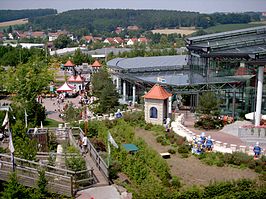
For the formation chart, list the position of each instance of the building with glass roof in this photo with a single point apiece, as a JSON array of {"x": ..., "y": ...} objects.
[{"x": 227, "y": 63}]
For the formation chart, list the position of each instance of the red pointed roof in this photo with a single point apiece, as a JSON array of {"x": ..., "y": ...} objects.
[
  {"x": 69, "y": 64},
  {"x": 96, "y": 64},
  {"x": 77, "y": 78},
  {"x": 157, "y": 92}
]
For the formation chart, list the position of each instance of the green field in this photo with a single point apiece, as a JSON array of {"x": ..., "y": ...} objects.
[
  {"x": 229, "y": 27},
  {"x": 51, "y": 123}
]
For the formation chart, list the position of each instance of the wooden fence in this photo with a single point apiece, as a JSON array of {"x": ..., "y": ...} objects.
[
  {"x": 100, "y": 163},
  {"x": 61, "y": 181}
]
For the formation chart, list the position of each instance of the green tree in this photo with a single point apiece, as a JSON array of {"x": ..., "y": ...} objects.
[
  {"x": 104, "y": 89},
  {"x": 14, "y": 190},
  {"x": 42, "y": 184},
  {"x": 208, "y": 104},
  {"x": 62, "y": 41},
  {"x": 27, "y": 81}
]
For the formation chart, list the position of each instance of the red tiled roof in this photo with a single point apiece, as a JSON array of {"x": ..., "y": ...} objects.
[
  {"x": 157, "y": 92},
  {"x": 37, "y": 34},
  {"x": 96, "y": 64},
  {"x": 69, "y": 64},
  {"x": 88, "y": 38},
  {"x": 118, "y": 39},
  {"x": 77, "y": 78}
]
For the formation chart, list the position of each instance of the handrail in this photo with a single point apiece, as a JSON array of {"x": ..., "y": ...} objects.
[{"x": 97, "y": 158}]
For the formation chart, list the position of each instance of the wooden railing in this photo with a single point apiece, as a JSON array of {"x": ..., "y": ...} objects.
[
  {"x": 100, "y": 163},
  {"x": 60, "y": 181}
]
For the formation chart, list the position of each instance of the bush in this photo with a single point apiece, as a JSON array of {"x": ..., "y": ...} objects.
[
  {"x": 114, "y": 169},
  {"x": 175, "y": 182},
  {"x": 172, "y": 151},
  {"x": 239, "y": 158},
  {"x": 162, "y": 140},
  {"x": 184, "y": 148}
]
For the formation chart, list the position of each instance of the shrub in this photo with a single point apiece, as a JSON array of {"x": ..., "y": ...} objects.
[
  {"x": 162, "y": 140},
  {"x": 175, "y": 182},
  {"x": 184, "y": 148},
  {"x": 148, "y": 126},
  {"x": 172, "y": 151},
  {"x": 258, "y": 169},
  {"x": 251, "y": 164},
  {"x": 114, "y": 169},
  {"x": 239, "y": 158}
]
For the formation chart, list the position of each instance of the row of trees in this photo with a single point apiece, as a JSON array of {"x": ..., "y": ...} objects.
[
  {"x": 8, "y": 15},
  {"x": 10, "y": 56},
  {"x": 100, "y": 20}
]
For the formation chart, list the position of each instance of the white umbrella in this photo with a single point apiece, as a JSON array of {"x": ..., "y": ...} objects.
[
  {"x": 41, "y": 125},
  {"x": 251, "y": 116}
]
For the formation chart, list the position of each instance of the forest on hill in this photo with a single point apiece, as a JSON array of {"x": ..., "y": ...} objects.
[
  {"x": 106, "y": 20},
  {"x": 8, "y": 15}
]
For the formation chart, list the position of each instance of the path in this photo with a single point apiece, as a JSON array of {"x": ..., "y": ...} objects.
[
  {"x": 52, "y": 107},
  {"x": 191, "y": 170}
]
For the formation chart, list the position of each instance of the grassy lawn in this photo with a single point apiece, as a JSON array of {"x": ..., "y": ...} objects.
[
  {"x": 51, "y": 123},
  {"x": 229, "y": 27}
]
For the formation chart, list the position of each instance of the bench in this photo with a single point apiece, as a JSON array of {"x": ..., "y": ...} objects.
[{"x": 165, "y": 155}]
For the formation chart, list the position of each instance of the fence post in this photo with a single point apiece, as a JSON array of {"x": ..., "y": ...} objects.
[{"x": 71, "y": 186}]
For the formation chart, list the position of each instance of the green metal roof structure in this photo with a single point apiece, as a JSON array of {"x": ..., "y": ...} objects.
[{"x": 132, "y": 148}]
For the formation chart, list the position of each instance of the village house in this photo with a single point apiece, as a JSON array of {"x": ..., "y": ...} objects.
[
  {"x": 133, "y": 28},
  {"x": 109, "y": 40},
  {"x": 132, "y": 41},
  {"x": 89, "y": 39}
]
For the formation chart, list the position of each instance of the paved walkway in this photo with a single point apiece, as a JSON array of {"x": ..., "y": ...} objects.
[{"x": 53, "y": 108}]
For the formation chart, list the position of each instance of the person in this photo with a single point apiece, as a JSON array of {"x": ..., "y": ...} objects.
[
  {"x": 85, "y": 143},
  {"x": 209, "y": 143},
  {"x": 257, "y": 150},
  {"x": 118, "y": 114},
  {"x": 202, "y": 139}
]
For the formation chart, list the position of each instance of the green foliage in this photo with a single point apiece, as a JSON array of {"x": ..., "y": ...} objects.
[
  {"x": 24, "y": 147},
  {"x": 8, "y": 15},
  {"x": 184, "y": 148},
  {"x": 135, "y": 118},
  {"x": 106, "y": 20},
  {"x": 62, "y": 41},
  {"x": 14, "y": 190},
  {"x": 76, "y": 162},
  {"x": 10, "y": 56},
  {"x": 80, "y": 57},
  {"x": 172, "y": 151},
  {"x": 42, "y": 184},
  {"x": 208, "y": 104},
  {"x": 105, "y": 91},
  {"x": 242, "y": 160},
  {"x": 72, "y": 113}
]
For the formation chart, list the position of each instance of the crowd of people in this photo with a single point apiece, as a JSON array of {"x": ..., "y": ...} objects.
[{"x": 202, "y": 144}]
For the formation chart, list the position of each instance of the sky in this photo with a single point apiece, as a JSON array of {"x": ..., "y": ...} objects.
[{"x": 203, "y": 6}]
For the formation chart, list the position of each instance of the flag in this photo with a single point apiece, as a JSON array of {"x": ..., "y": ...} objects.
[
  {"x": 6, "y": 120},
  {"x": 26, "y": 119},
  {"x": 111, "y": 140},
  {"x": 11, "y": 146}
]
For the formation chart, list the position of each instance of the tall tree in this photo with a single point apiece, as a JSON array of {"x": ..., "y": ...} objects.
[
  {"x": 62, "y": 41},
  {"x": 104, "y": 89}
]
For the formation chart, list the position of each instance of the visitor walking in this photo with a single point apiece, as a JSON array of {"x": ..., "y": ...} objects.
[{"x": 85, "y": 144}]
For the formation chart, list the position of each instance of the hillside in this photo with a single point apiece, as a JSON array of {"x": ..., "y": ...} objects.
[
  {"x": 9, "y": 15},
  {"x": 106, "y": 20}
]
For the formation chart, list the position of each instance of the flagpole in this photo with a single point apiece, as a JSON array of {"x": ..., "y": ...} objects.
[
  {"x": 109, "y": 154},
  {"x": 26, "y": 119}
]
